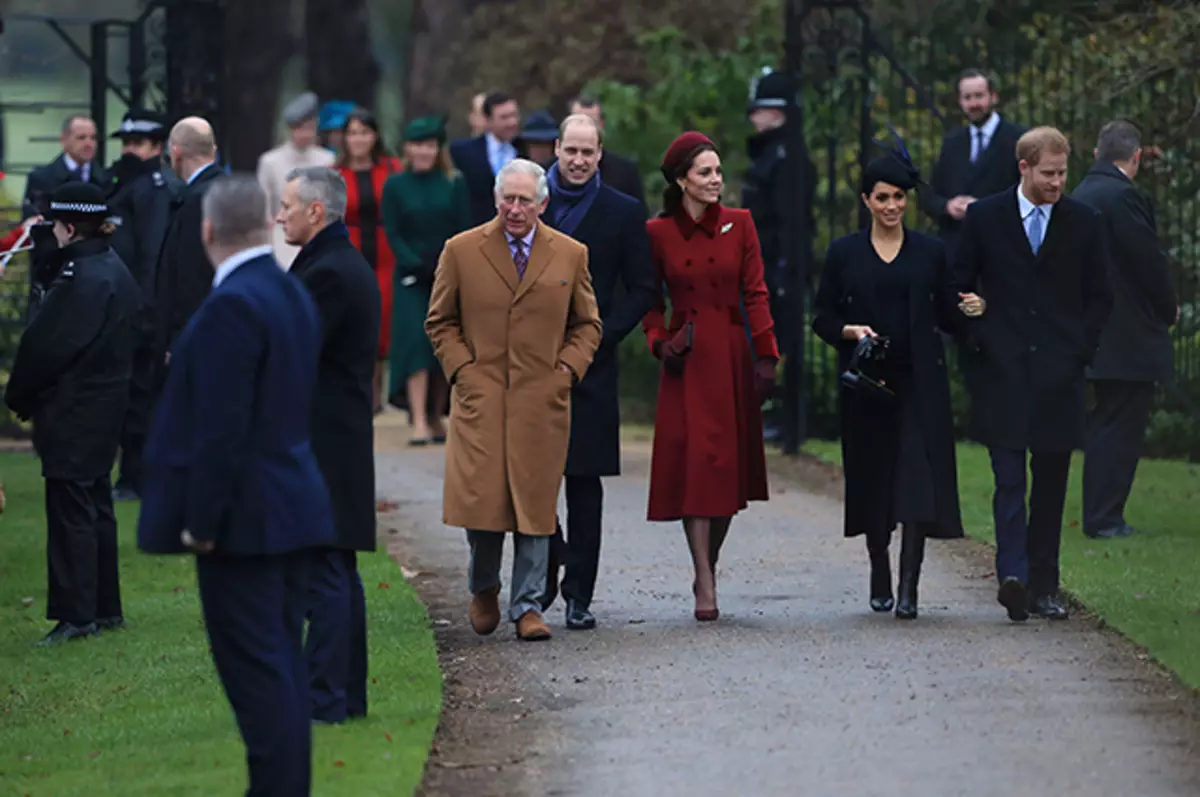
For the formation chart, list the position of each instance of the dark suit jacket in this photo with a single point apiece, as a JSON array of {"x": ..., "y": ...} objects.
[
  {"x": 229, "y": 456},
  {"x": 470, "y": 156},
  {"x": 1042, "y": 323},
  {"x": 954, "y": 174},
  {"x": 614, "y": 231},
  {"x": 183, "y": 276},
  {"x": 622, "y": 174},
  {"x": 343, "y": 430},
  {"x": 1136, "y": 342}
]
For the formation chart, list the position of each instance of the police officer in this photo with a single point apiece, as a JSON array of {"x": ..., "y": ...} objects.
[
  {"x": 71, "y": 376},
  {"x": 766, "y": 195},
  {"x": 140, "y": 202}
]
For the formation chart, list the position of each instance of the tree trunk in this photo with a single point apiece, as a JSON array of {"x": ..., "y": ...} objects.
[
  {"x": 258, "y": 45},
  {"x": 435, "y": 26},
  {"x": 340, "y": 60}
]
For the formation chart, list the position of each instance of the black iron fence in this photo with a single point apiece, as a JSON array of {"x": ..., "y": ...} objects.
[{"x": 1049, "y": 71}]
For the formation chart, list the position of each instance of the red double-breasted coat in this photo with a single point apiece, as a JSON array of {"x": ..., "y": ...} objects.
[
  {"x": 366, "y": 213},
  {"x": 708, "y": 444}
]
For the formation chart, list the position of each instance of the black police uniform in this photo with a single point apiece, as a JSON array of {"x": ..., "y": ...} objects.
[
  {"x": 71, "y": 376},
  {"x": 140, "y": 207}
]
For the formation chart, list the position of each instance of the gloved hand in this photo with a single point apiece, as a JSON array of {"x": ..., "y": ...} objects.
[
  {"x": 671, "y": 359},
  {"x": 764, "y": 377}
]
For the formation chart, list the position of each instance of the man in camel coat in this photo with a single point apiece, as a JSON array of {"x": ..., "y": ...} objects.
[{"x": 514, "y": 322}]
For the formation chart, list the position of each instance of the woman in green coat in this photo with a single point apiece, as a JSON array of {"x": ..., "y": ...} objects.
[{"x": 423, "y": 207}]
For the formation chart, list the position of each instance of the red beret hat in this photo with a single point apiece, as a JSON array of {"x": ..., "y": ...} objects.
[{"x": 680, "y": 148}]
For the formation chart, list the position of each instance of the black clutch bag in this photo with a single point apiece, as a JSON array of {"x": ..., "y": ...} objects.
[{"x": 864, "y": 373}]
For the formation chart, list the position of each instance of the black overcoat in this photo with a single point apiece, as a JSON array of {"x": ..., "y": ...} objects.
[
  {"x": 614, "y": 231},
  {"x": 1042, "y": 324},
  {"x": 847, "y": 296},
  {"x": 71, "y": 374},
  {"x": 1136, "y": 343},
  {"x": 343, "y": 434}
]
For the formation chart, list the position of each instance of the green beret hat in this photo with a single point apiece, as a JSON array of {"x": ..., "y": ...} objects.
[{"x": 425, "y": 128}]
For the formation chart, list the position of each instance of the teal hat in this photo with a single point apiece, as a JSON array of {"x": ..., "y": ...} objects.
[
  {"x": 333, "y": 115},
  {"x": 425, "y": 128}
]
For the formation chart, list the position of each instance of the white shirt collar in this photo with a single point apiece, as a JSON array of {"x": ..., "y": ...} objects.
[
  {"x": 989, "y": 127},
  {"x": 1026, "y": 207},
  {"x": 232, "y": 263},
  {"x": 527, "y": 240},
  {"x": 196, "y": 173},
  {"x": 1122, "y": 171},
  {"x": 84, "y": 169}
]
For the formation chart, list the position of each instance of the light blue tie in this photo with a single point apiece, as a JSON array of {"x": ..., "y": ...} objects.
[{"x": 1035, "y": 230}]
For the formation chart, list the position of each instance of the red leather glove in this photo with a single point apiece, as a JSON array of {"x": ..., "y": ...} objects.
[
  {"x": 671, "y": 359},
  {"x": 764, "y": 377}
]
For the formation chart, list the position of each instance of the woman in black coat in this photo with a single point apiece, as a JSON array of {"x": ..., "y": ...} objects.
[{"x": 890, "y": 283}]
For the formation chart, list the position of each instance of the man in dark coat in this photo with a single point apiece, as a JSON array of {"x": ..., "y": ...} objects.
[
  {"x": 231, "y": 477},
  {"x": 1135, "y": 348},
  {"x": 183, "y": 276},
  {"x": 73, "y": 164},
  {"x": 481, "y": 158},
  {"x": 616, "y": 171},
  {"x": 347, "y": 297},
  {"x": 71, "y": 376},
  {"x": 612, "y": 227},
  {"x": 140, "y": 201},
  {"x": 976, "y": 161},
  {"x": 1033, "y": 264}
]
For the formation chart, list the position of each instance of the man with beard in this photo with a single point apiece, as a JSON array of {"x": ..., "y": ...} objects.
[
  {"x": 976, "y": 161},
  {"x": 140, "y": 202},
  {"x": 611, "y": 225}
]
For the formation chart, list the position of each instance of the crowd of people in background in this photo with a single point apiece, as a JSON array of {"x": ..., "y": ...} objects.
[{"x": 229, "y": 340}]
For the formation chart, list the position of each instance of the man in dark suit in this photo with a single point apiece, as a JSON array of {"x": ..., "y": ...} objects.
[
  {"x": 613, "y": 228},
  {"x": 74, "y": 164},
  {"x": 976, "y": 161},
  {"x": 1135, "y": 347},
  {"x": 231, "y": 477},
  {"x": 184, "y": 275},
  {"x": 616, "y": 171},
  {"x": 481, "y": 158},
  {"x": 1031, "y": 271},
  {"x": 343, "y": 433}
]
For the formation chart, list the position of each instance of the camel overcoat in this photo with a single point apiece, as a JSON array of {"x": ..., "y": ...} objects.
[{"x": 500, "y": 341}]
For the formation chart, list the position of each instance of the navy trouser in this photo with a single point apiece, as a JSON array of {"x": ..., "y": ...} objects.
[
  {"x": 1027, "y": 545},
  {"x": 336, "y": 650},
  {"x": 254, "y": 612}
]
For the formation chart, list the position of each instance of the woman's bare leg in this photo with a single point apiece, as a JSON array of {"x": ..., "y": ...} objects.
[
  {"x": 418, "y": 393},
  {"x": 698, "y": 537}
]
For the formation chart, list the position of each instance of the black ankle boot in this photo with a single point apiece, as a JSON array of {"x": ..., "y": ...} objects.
[
  {"x": 881, "y": 579},
  {"x": 912, "y": 553}
]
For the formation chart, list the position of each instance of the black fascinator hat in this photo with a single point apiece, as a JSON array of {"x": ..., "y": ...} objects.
[{"x": 895, "y": 168}]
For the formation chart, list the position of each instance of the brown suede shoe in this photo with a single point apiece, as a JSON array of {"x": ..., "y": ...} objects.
[
  {"x": 485, "y": 611},
  {"x": 532, "y": 628}
]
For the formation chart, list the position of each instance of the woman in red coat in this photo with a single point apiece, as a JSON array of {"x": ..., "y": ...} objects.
[
  {"x": 366, "y": 166},
  {"x": 708, "y": 458}
]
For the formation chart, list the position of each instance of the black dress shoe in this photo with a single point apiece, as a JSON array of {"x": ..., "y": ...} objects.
[
  {"x": 579, "y": 618},
  {"x": 1112, "y": 533},
  {"x": 1048, "y": 606},
  {"x": 912, "y": 553},
  {"x": 67, "y": 632},
  {"x": 881, "y": 580},
  {"x": 110, "y": 623},
  {"x": 1012, "y": 596}
]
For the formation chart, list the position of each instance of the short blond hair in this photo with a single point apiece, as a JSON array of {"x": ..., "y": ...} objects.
[{"x": 1042, "y": 141}]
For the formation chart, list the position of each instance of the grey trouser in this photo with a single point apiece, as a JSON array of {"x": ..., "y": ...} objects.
[{"x": 530, "y": 558}]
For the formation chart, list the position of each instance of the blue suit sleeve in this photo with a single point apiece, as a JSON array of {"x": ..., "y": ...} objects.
[{"x": 229, "y": 346}]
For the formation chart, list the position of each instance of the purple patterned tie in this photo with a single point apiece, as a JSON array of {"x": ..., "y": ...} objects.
[{"x": 520, "y": 257}]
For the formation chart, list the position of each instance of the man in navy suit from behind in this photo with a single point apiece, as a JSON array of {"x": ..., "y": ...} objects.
[{"x": 232, "y": 478}]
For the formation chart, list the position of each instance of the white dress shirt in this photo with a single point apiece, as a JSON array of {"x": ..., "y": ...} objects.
[
  {"x": 232, "y": 263},
  {"x": 499, "y": 152},
  {"x": 1026, "y": 208},
  {"x": 981, "y": 137},
  {"x": 85, "y": 170}
]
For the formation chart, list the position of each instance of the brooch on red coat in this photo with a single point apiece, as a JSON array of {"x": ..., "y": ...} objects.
[{"x": 728, "y": 226}]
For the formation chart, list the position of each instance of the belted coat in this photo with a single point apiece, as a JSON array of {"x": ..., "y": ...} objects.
[{"x": 500, "y": 340}]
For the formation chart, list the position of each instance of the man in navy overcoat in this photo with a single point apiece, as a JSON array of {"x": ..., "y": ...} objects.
[{"x": 231, "y": 477}]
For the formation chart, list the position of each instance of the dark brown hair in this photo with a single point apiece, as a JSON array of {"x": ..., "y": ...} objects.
[
  {"x": 673, "y": 194},
  {"x": 364, "y": 117}
]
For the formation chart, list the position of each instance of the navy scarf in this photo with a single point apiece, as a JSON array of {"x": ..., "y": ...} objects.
[{"x": 571, "y": 202}]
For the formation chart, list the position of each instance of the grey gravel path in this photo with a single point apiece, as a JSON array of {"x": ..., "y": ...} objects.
[{"x": 799, "y": 689}]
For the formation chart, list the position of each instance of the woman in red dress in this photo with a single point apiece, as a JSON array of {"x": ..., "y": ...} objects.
[
  {"x": 366, "y": 166},
  {"x": 708, "y": 458}
]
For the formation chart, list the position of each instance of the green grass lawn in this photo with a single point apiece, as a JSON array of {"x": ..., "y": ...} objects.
[
  {"x": 1146, "y": 586},
  {"x": 140, "y": 711}
]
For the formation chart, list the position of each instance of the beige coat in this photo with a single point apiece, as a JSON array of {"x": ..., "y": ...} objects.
[
  {"x": 273, "y": 168},
  {"x": 500, "y": 341}
]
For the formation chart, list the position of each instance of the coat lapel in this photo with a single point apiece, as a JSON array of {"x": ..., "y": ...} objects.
[
  {"x": 495, "y": 250},
  {"x": 1054, "y": 230},
  {"x": 1016, "y": 228},
  {"x": 540, "y": 255}
]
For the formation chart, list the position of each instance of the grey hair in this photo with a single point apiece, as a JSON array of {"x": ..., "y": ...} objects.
[
  {"x": 522, "y": 166},
  {"x": 236, "y": 207},
  {"x": 324, "y": 185},
  {"x": 1118, "y": 141}
]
